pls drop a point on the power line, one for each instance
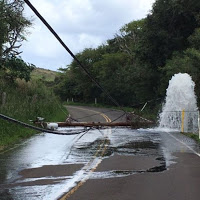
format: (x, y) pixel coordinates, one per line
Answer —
(40, 129)
(118, 117)
(70, 52)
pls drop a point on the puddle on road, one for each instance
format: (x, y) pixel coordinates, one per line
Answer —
(124, 173)
(140, 145)
(145, 150)
(134, 145)
(157, 168)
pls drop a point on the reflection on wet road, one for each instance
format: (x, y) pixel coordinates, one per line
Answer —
(47, 166)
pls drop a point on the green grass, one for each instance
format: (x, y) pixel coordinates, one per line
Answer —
(43, 74)
(24, 102)
(193, 136)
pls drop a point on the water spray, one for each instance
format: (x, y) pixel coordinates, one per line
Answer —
(180, 110)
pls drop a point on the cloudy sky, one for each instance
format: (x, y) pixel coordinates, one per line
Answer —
(80, 23)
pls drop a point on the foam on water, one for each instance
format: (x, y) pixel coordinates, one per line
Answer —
(180, 96)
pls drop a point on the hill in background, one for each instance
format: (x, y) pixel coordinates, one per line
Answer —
(43, 74)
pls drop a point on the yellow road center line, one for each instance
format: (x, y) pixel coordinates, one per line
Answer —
(104, 143)
(102, 114)
(106, 117)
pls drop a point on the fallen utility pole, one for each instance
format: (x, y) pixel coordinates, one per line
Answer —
(93, 124)
(100, 124)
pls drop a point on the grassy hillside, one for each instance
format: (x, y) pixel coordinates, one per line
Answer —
(26, 101)
(43, 74)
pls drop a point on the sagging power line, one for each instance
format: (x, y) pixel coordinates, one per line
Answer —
(72, 55)
(42, 129)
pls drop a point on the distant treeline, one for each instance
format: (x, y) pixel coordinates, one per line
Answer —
(136, 65)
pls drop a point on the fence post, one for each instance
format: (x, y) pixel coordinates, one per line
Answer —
(3, 99)
(199, 123)
(144, 107)
(95, 101)
(182, 120)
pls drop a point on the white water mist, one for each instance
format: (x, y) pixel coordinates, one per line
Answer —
(180, 96)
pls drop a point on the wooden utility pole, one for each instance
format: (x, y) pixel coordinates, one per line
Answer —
(102, 124)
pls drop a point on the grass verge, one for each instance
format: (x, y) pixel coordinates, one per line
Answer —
(193, 136)
(24, 102)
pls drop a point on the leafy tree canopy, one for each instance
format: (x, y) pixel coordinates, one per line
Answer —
(136, 65)
(13, 26)
(167, 28)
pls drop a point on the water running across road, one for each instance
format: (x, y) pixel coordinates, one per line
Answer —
(31, 170)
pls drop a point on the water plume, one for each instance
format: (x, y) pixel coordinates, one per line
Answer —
(180, 96)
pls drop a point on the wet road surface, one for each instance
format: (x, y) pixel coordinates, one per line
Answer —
(117, 163)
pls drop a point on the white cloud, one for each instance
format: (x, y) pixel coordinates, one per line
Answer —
(81, 24)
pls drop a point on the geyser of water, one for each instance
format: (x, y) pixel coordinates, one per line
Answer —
(180, 96)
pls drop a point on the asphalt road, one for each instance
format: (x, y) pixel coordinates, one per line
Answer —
(94, 114)
(166, 169)
(109, 164)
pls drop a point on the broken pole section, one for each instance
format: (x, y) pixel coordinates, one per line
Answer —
(102, 124)
(92, 124)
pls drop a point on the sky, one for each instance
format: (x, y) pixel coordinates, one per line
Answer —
(80, 24)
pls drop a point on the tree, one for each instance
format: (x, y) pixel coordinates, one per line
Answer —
(2, 28)
(17, 68)
(166, 30)
(128, 37)
(75, 83)
(194, 39)
(184, 62)
(13, 29)
(13, 26)
(135, 66)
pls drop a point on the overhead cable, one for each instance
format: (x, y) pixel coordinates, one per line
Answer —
(41, 129)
